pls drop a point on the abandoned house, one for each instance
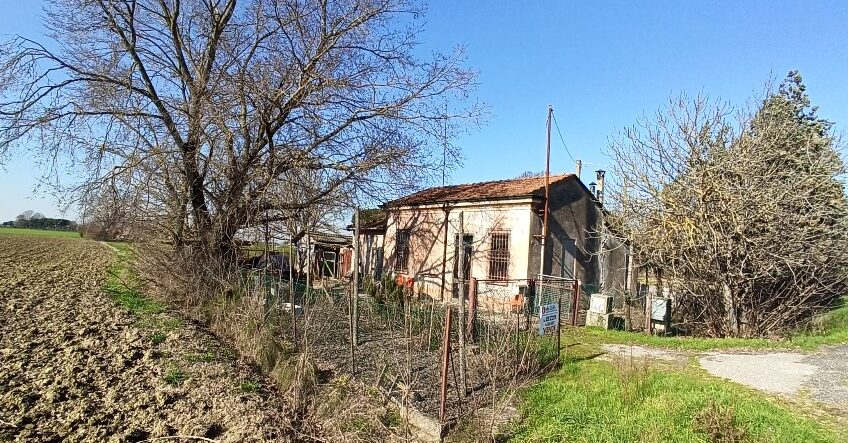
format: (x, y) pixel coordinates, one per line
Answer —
(419, 237)
(331, 254)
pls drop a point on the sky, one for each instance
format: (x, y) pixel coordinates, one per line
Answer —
(601, 65)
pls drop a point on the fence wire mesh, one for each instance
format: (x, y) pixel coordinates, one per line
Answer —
(400, 346)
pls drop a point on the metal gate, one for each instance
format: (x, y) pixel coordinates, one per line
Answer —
(557, 302)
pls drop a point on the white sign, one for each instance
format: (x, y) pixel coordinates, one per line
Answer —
(548, 319)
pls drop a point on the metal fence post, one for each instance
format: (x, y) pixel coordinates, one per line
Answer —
(472, 309)
(443, 376)
(575, 303)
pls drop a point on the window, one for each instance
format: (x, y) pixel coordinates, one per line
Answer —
(499, 256)
(402, 250)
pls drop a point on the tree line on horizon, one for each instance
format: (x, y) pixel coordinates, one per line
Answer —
(36, 220)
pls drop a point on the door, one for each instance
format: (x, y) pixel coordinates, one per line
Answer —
(329, 262)
(463, 251)
(378, 263)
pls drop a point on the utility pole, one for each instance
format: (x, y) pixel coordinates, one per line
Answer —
(445, 147)
(547, 193)
(579, 168)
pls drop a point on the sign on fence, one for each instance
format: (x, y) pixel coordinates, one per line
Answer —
(548, 319)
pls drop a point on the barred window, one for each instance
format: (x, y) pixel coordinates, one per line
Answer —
(499, 256)
(402, 250)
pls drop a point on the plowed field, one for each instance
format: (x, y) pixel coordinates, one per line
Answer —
(76, 366)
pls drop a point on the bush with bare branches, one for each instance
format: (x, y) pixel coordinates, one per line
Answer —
(744, 219)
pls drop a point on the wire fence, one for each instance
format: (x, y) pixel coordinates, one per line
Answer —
(418, 352)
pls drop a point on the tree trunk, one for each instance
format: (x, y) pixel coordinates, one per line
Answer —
(197, 195)
(731, 315)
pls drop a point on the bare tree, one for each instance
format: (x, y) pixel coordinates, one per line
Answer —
(745, 218)
(212, 104)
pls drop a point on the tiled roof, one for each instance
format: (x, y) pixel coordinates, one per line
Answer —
(330, 238)
(494, 190)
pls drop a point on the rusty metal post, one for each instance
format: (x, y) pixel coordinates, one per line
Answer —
(472, 309)
(443, 376)
(575, 303)
(559, 325)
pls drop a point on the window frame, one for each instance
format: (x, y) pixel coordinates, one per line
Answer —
(402, 265)
(499, 255)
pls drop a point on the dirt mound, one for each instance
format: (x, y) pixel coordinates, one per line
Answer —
(74, 366)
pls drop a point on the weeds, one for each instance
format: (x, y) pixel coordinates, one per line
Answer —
(175, 377)
(391, 418)
(158, 338)
(719, 423)
(249, 386)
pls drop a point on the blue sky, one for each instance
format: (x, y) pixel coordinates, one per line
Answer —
(601, 65)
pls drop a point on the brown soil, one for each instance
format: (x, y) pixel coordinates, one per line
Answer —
(74, 366)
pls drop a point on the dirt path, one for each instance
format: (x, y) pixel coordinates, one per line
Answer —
(76, 367)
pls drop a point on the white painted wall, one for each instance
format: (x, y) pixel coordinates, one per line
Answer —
(427, 226)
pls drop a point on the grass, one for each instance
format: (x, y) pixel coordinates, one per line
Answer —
(249, 386)
(158, 338)
(596, 401)
(829, 329)
(39, 232)
(122, 284)
(175, 377)
(591, 400)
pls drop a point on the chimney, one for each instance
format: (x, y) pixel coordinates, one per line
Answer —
(592, 188)
(600, 193)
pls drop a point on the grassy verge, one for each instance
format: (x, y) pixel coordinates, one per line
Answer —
(592, 400)
(39, 232)
(123, 285)
(829, 329)
(125, 288)
(601, 402)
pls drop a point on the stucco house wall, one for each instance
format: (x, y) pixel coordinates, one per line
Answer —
(428, 256)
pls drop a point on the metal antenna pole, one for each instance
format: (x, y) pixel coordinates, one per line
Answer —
(355, 319)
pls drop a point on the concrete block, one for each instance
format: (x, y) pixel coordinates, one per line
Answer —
(661, 309)
(600, 303)
(598, 319)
